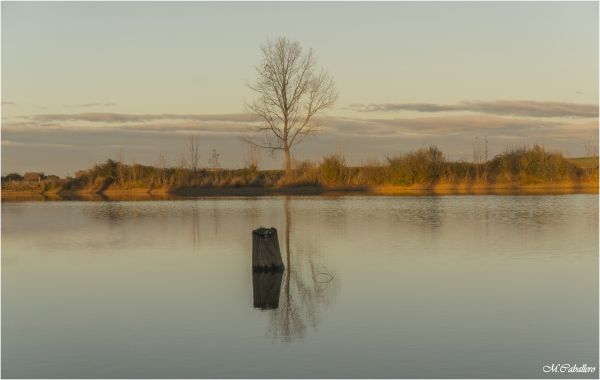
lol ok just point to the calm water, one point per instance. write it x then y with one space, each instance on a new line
453 286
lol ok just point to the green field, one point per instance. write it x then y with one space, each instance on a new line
585 162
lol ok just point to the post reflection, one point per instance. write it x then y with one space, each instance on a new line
308 288
266 287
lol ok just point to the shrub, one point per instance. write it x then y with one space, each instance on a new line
333 170
420 166
532 165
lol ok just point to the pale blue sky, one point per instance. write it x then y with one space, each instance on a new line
195 58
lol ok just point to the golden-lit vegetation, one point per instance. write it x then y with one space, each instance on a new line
426 166
585 162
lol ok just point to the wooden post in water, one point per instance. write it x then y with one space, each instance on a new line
266 287
266 255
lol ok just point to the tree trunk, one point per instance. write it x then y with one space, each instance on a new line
288 160
266 255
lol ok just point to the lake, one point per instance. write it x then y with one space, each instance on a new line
451 286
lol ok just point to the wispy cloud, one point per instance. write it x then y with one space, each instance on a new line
104 117
237 124
195 127
423 125
502 107
88 105
215 125
10 143
7 103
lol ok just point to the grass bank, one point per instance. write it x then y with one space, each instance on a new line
424 171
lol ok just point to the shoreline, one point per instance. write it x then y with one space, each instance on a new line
439 189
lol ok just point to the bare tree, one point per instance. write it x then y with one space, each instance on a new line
161 164
591 148
291 91
120 164
252 157
478 151
214 160
134 168
193 152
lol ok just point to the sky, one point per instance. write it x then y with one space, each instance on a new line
85 81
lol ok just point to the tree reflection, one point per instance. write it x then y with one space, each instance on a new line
308 287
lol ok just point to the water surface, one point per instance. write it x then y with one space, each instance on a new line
454 286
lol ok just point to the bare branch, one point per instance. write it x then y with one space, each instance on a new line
193 152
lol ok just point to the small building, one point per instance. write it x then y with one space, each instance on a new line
33 176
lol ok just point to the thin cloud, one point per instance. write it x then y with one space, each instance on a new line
191 126
236 124
10 143
418 107
7 103
88 105
536 109
217 127
442 125
525 108
459 127
104 117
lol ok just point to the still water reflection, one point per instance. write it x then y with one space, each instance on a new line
454 286
308 286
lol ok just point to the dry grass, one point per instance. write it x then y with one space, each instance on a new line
421 171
